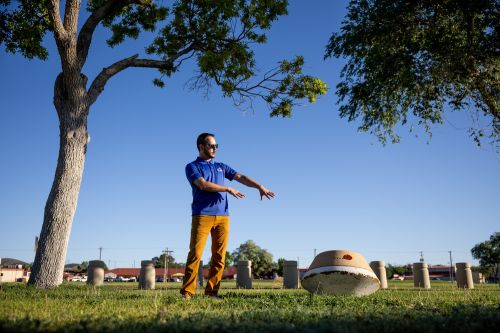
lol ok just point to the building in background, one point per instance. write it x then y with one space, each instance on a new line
13 270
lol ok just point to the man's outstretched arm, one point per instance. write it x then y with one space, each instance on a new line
245 180
204 185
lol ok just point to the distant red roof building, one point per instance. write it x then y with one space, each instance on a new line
159 272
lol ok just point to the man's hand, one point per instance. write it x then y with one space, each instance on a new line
235 193
264 192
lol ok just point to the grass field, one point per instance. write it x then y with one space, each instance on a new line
120 307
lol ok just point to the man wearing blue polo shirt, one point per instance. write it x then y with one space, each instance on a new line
210 213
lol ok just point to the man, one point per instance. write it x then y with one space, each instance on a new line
210 213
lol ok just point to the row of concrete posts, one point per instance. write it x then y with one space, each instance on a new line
243 280
463 275
290 274
147 276
421 277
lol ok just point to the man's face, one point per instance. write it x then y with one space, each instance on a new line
209 149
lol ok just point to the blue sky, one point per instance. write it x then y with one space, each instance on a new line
336 188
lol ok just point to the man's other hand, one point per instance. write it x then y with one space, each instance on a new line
264 192
235 193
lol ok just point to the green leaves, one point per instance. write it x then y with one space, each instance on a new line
159 83
262 260
219 33
23 26
293 86
408 60
488 252
129 21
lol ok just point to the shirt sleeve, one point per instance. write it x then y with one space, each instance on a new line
229 172
192 172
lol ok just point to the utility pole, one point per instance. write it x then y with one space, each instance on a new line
451 267
166 252
100 252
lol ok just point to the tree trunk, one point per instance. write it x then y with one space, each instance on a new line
48 268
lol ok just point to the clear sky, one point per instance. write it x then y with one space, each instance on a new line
336 188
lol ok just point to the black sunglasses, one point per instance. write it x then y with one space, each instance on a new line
215 146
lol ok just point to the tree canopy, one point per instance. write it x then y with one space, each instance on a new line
159 262
411 60
279 266
488 253
262 260
217 34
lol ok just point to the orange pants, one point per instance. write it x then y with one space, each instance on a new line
201 226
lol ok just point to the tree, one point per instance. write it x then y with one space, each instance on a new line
262 260
159 262
412 59
488 253
486 271
279 266
216 34
399 270
228 260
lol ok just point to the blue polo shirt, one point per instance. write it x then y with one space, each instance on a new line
209 203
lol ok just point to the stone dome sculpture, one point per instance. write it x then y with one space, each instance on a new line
340 272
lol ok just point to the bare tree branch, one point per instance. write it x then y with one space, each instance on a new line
179 63
100 81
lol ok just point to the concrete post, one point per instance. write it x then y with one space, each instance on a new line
147 276
290 275
464 275
244 277
200 274
378 267
95 273
421 275
477 278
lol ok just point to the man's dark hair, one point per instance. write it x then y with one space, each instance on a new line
202 137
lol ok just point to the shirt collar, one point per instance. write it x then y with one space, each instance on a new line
200 160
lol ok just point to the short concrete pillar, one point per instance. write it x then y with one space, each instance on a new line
464 275
200 274
244 277
477 277
290 275
378 268
95 273
147 276
421 275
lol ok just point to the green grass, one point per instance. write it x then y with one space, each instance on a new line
120 307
